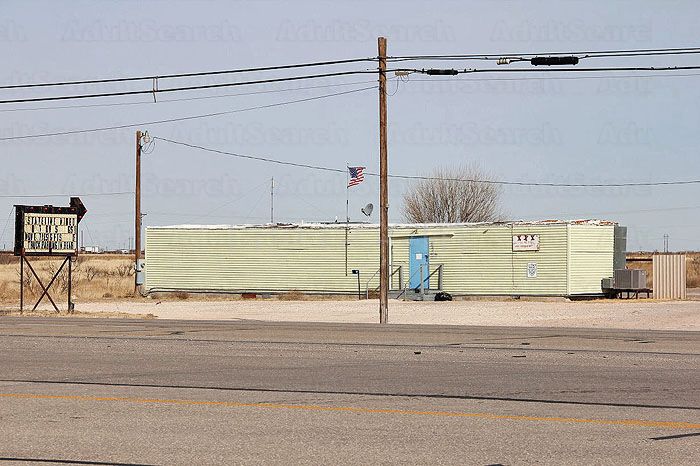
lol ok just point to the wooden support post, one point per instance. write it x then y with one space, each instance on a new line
137 208
70 284
383 190
21 283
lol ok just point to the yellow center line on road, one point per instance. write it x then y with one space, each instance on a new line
350 409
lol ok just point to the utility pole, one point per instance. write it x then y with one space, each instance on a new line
137 218
272 200
383 191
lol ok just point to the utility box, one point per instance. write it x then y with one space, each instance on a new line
139 270
629 279
607 284
620 248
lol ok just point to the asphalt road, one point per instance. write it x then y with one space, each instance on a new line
171 392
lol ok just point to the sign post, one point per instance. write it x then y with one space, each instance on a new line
42 231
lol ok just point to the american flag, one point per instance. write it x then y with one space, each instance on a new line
357 175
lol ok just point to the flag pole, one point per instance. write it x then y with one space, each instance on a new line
347 213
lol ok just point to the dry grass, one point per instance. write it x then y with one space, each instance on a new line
291 296
692 267
95 278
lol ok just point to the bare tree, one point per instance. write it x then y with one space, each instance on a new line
444 198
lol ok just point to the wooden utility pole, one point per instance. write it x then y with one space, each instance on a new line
137 218
383 191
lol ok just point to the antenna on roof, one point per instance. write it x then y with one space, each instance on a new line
367 210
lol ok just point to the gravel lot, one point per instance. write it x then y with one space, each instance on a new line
632 314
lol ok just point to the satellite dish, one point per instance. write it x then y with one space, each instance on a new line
367 210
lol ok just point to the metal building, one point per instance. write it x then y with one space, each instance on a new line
548 258
669 273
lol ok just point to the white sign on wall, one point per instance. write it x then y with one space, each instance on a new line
526 242
532 270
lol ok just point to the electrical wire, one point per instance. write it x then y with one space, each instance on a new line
7 222
553 70
185 118
343 73
419 177
302 199
252 157
556 78
484 56
188 99
553 185
22 196
186 88
85 225
624 212
586 53
255 206
230 201
189 75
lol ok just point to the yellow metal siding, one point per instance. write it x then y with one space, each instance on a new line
480 259
259 259
590 257
477 259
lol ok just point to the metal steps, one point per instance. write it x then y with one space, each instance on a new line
412 295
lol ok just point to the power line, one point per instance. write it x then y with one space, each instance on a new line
419 177
188 75
484 56
7 222
344 73
186 88
549 70
585 53
251 157
553 185
623 212
186 118
555 78
229 202
187 99
22 196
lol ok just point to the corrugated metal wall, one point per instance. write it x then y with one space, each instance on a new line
477 259
591 254
480 260
266 259
669 276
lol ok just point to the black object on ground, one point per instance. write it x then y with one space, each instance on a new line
443 296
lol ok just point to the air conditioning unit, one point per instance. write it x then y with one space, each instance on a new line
629 279
607 283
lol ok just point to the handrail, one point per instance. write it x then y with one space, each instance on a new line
438 269
397 268
403 287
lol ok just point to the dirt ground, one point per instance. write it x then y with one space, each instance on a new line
633 314
103 287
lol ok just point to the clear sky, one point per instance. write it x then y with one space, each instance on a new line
554 130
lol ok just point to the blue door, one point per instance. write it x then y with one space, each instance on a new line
418 250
